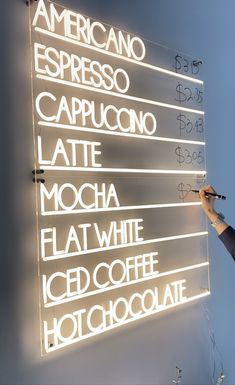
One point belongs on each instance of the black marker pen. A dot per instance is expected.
(207, 193)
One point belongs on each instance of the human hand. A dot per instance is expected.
(208, 207)
(207, 200)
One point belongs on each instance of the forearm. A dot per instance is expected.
(228, 239)
(226, 233)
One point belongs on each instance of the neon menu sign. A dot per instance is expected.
(119, 132)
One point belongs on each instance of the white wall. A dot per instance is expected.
(147, 352)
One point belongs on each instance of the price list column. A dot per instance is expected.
(119, 135)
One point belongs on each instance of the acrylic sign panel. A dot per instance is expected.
(119, 132)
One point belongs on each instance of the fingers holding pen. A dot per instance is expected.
(208, 188)
(204, 190)
(207, 200)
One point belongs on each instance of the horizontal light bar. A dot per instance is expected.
(133, 282)
(123, 170)
(115, 133)
(116, 94)
(121, 246)
(120, 208)
(150, 66)
(161, 309)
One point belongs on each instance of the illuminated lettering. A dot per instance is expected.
(77, 280)
(72, 152)
(55, 334)
(76, 238)
(100, 318)
(176, 294)
(79, 275)
(41, 12)
(126, 231)
(60, 64)
(87, 196)
(87, 113)
(133, 268)
(83, 86)
(75, 26)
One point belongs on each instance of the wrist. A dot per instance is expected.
(218, 220)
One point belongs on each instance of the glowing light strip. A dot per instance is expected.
(92, 334)
(116, 94)
(113, 133)
(121, 246)
(124, 170)
(150, 66)
(120, 208)
(133, 282)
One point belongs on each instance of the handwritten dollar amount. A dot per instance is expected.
(185, 156)
(188, 126)
(184, 189)
(187, 94)
(185, 65)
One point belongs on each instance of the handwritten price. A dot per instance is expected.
(187, 94)
(185, 65)
(184, 190)
(187, 126)
(184, 156)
